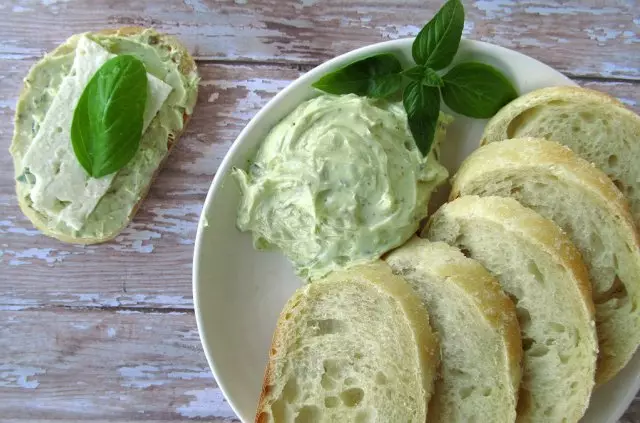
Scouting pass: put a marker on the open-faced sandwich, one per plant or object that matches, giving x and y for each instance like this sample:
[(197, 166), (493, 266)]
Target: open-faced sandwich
[(95, 120)]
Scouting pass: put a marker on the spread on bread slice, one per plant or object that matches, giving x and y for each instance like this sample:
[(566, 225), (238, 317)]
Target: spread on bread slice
[(54, 191), (594, 125), (355, 346), (542, 271), (478, 331), (552, 180)]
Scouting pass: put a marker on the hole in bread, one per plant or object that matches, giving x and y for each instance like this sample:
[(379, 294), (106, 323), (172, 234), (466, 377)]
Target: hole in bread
[(612, 161), (533, 269), (538, 350), (557, 327), (331, 402), (326, 326), (524, 318), (332, 367), (527, 343), (515, 191), (587, 116), (59, 129), (308, 414), (364, 416), (616, 291), (327, 382), (279, 410), (518, 121), (349, 381), (466, 392), (352, 397), (549, 410), (290, 391), (466, 252), (596, 244), (619, 185), (486, 392), (381, 378), (56, 167), (564, 358)]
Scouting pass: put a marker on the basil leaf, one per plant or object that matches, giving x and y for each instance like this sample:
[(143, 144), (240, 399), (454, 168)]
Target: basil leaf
[(107, 121), (376, 76), (437, 43), (476, 90), (422, 104), (432, 79), (415, 73)]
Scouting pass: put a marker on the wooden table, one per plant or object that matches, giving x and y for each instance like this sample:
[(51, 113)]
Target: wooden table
[(107, 332)]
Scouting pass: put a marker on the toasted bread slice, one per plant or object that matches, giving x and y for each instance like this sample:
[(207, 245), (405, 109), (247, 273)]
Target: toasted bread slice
[(478, 330), (355, 346), (118, 206), (552, 180), (594, 125), (542, 271)]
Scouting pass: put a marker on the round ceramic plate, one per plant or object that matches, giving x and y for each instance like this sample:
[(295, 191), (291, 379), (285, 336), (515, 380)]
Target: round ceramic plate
[(239, 292)]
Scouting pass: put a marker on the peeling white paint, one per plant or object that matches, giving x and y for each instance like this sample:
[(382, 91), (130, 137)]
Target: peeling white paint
[(213, 97), (111, 332), (560, 10), (12, 376), (48, 255), (135, 238), (145, 376), (399, 31), (495, 9), (602, 34), (197, 5), (208, 402)]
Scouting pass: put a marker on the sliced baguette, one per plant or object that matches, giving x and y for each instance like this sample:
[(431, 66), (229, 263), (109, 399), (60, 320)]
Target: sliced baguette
[(555, 182), (355, 346), (478, 330), (45, 79), (596, 126), (539, 267)]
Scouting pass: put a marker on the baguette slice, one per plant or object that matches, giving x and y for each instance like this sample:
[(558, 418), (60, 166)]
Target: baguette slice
[(479, 335), (118, 206), (539, 267), (355, 346), (595, 125), (555, 182)]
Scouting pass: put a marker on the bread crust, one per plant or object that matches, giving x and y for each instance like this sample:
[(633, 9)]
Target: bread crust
[(527, 153), (483, 291), (187, 66), (545, 235), (497, 127)]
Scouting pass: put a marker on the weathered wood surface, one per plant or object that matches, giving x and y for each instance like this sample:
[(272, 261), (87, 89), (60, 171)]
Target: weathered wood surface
[(584, 38), (106, 333), (90, 365)]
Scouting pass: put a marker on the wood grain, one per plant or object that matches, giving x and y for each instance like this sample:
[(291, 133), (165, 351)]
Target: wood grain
[(85, 365), (582, 38), (47, 273)]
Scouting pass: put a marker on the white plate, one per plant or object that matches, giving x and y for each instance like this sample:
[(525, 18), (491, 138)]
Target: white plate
[(239, 292)]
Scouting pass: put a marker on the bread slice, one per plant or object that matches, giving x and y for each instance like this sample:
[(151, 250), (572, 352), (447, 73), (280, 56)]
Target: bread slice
[(552, 180), (355, 346), (542, 271), (116, 208), (478, 330), (596, 126)]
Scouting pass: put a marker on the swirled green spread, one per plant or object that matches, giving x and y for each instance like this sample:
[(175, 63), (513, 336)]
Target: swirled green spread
[(338, 182)]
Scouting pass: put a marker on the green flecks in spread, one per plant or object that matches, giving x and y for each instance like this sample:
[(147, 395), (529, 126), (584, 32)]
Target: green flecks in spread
[(343, 186)]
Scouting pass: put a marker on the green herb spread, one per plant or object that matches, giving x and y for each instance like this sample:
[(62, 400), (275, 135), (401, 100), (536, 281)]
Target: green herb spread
[(338, 182)]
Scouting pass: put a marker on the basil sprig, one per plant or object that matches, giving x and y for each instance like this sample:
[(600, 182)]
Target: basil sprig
[(472, 89), (108, 119)]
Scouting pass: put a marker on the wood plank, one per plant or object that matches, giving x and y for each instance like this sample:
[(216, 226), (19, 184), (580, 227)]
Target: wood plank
[(582, 38), (129, 366), (87, 365), (149, 265)]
